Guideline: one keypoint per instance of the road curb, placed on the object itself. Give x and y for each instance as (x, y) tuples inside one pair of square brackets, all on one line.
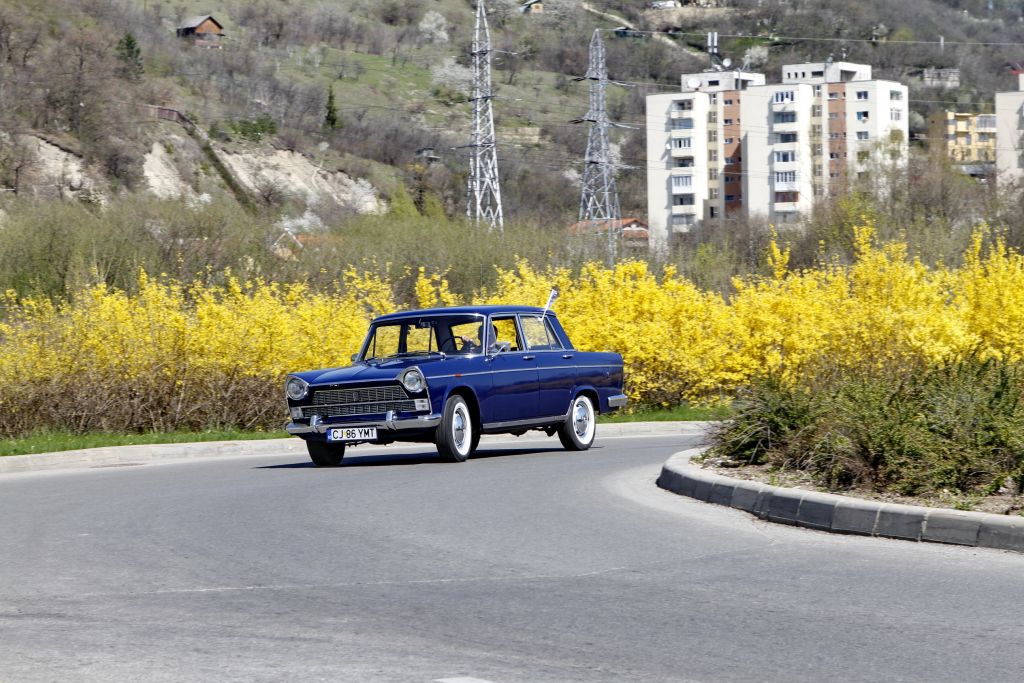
[(841, 514), (109, 456)]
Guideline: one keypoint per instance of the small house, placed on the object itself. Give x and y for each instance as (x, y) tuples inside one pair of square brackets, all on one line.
[(532, 7), (204, 31), (632, 232)]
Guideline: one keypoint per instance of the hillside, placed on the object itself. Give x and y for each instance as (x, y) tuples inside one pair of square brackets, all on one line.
[(72, 91)]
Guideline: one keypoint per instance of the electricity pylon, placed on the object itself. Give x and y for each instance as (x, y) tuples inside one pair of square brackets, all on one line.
[(599, 200), (483, 200)]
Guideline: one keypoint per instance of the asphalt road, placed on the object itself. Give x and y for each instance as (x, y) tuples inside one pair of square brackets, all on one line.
[(526, 564)]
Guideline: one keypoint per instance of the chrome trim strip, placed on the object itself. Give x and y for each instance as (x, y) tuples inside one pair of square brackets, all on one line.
[(532, 421), (618, 401), (393, 425)]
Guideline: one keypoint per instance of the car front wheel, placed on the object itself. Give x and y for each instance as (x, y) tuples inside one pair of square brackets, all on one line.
[(455, 440), (325, 454), (577, 432)]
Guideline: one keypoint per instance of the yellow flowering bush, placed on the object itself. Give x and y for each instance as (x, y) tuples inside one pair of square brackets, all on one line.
[(188, 355)]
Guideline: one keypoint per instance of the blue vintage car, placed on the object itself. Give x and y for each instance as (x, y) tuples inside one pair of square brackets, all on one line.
[(448, 375)]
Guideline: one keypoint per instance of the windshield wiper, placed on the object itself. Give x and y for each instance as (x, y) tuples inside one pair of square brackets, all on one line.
[(423, 352)]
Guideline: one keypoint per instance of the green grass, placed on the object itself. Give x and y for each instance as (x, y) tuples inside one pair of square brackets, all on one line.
[(48, 442), (683, 413)]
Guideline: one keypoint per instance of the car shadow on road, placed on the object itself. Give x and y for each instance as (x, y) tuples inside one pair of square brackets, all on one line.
[(389, 459)]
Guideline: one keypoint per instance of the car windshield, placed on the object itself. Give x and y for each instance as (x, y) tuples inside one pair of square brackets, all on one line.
[(439, 334)]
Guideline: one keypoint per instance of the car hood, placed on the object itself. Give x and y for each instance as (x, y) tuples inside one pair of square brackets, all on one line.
[(375, 371)]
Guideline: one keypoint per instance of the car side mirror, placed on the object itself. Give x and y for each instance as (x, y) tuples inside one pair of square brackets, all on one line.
[(354, 358)]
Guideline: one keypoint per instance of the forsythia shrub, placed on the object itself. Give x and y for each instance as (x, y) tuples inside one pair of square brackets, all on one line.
[(179, 355)]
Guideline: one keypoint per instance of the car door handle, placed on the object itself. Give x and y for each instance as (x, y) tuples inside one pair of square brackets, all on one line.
[(566, 355), (529, 357)]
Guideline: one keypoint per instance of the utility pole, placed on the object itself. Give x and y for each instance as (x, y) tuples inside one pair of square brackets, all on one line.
[(483, 200), (599, 201)]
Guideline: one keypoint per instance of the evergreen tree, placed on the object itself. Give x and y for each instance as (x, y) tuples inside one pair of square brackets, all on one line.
[(331, 120), (130, 56)]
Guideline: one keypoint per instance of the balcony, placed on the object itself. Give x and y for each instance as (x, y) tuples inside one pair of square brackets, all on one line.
[(689, 210), (793, 186)]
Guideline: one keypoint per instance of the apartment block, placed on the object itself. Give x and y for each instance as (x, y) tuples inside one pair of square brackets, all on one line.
[(694, 152), (1009, 128), (774, 149), (967, 137)]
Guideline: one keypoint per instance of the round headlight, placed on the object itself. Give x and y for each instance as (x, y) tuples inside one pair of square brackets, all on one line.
[(296, 388), (413, 380)]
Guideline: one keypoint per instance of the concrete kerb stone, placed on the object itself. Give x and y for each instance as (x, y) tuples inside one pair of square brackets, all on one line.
[(121, 455), (841, 514)]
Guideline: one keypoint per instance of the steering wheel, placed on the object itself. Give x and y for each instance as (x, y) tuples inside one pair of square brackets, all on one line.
[(448, 345)]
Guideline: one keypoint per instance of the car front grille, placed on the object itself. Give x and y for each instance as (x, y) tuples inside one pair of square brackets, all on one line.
[(359, 401)]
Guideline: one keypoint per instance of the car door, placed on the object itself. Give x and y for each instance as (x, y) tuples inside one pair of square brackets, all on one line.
[(513, 393), (556, 368)]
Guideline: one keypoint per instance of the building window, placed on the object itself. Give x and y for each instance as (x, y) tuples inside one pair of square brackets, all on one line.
[(985, 121), (862, 135), (833, 115), (895, 95), (862, 116), (682, 124), (713, 155), (833, 136), (833, 95), (684, 162), (817, 90), (712, 211), (786, 196), (816, 150), (682, 182), (983, 137), (683, 200), (727, 102), (862, 94), (818, 170), (816, 110), (967, 139), (728, 141), (713, 117), (713, 193), (784, 117), (683, 220), (817, 74), (785, 96), (726, 122), (816, 131), (785, 137), (785, 157), (895, 115), (682, 143), (712, 136), (785, 177), (684, 105), (714, 82), (833, 155), (713, 174)]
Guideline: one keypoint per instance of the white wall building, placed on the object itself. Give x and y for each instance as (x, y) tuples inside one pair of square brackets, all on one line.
[(774, 149), (694, 152), (1009, 127)]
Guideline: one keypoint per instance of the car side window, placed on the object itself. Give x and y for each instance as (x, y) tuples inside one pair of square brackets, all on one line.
[(538, 333), (508, 333)]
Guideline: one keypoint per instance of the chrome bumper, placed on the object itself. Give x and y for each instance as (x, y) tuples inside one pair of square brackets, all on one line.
[(618, 401), (389, 423)]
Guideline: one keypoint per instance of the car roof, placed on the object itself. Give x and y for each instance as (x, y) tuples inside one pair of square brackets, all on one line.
[(463, 310)]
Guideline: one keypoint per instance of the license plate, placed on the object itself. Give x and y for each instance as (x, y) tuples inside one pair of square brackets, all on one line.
[(352, 434)]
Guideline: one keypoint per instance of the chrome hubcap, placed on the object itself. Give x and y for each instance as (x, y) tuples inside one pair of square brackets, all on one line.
[(459, 429), (581, 419)]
